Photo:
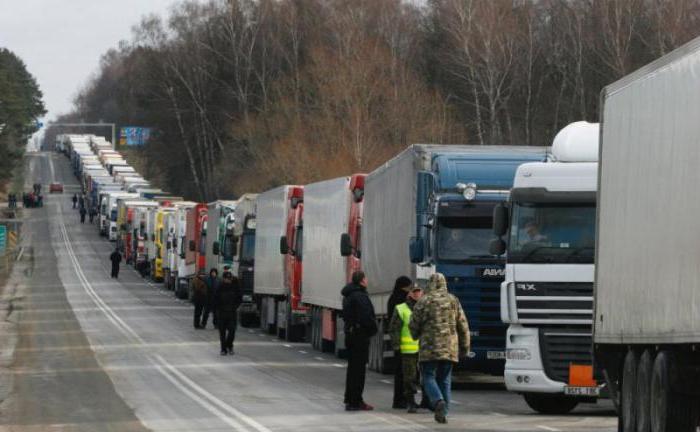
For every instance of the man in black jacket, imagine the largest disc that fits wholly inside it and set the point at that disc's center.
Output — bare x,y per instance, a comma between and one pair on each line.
116,258
228,298
360,326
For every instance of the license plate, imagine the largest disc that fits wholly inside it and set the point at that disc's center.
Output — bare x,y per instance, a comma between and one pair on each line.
581,391
496,355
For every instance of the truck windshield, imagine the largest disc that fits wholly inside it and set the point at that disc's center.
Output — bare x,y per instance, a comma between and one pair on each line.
464,238
552,233
248,247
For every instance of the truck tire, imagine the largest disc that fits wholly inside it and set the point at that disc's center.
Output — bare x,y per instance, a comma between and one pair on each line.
644,372
550,404
670,411
628,405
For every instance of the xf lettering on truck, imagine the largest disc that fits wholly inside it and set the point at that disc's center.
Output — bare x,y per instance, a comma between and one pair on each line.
526,287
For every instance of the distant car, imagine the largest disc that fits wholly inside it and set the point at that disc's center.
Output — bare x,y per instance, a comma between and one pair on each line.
56,187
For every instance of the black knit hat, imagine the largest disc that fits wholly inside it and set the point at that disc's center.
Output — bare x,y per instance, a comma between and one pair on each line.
402,282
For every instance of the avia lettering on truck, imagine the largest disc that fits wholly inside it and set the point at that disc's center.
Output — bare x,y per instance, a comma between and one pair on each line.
332,211
275,209
439,200
292,314
548,293
240,241
646,330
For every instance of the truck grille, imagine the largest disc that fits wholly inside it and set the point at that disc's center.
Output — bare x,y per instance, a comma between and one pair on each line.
562,346
554,303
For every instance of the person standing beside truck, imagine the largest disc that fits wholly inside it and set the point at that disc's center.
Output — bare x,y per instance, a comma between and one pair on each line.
407,346
116,258
199,297
210,305
82,215
75,200
398,296
228,298
360,326
438,321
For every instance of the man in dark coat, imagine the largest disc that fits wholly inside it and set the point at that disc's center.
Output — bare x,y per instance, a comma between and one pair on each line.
401,287
199,297
75,200
92,213
210,306
228,298
360,326
82,214
81,202
116,258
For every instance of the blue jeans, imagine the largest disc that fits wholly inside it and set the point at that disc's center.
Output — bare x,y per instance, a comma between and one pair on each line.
437,381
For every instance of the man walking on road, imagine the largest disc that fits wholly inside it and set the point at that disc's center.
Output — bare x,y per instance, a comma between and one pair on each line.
210,305
82,215
75,200
116,259
228,298
404,343
360,326
398,296
92,213
438,321
199,297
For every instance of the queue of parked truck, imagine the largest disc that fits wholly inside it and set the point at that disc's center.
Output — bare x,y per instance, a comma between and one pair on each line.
576,264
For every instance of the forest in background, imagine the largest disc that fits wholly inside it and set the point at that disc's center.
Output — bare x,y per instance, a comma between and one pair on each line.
20,106
245,95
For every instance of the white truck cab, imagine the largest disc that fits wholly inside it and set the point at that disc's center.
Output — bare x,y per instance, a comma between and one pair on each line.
548,231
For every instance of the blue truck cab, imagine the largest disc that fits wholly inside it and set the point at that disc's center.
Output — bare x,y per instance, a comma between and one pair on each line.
454,212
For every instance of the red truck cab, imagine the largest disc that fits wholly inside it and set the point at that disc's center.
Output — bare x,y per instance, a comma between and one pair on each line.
291,248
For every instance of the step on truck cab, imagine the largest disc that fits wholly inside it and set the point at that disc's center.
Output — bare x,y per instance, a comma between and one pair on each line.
548,226
429,209
281,309
646,331
332,215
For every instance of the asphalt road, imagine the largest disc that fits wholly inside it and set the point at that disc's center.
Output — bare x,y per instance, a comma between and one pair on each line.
80,351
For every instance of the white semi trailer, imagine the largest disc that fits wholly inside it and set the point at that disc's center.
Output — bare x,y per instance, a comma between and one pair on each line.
647,282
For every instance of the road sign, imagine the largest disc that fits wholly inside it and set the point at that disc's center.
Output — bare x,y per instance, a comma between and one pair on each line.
3,238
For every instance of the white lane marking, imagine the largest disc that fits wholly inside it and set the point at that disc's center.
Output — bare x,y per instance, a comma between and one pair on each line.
338,365
319,358
547,428
302,351
53,173
386,381
194,388
287,345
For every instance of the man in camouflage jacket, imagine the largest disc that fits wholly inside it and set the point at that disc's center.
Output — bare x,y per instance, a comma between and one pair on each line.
438,321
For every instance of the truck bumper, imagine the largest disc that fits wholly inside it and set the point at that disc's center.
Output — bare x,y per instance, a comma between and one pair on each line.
524,372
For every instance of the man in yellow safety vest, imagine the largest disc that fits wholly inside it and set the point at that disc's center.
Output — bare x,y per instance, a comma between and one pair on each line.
403,342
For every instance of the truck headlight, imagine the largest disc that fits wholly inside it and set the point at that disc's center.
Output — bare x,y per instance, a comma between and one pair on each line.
469,192
518,354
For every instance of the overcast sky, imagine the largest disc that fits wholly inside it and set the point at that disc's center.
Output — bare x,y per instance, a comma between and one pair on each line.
61,41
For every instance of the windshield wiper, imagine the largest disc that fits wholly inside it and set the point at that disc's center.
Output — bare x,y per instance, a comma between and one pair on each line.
577,251
535,250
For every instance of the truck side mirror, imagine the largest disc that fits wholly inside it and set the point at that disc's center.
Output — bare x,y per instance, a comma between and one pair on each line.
416,250
345,245
500,220
497,246
215,248
193,246
284,246
168,245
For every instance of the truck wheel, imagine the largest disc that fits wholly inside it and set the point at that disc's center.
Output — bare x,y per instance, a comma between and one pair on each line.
628,406
670,411
644,372
550,404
